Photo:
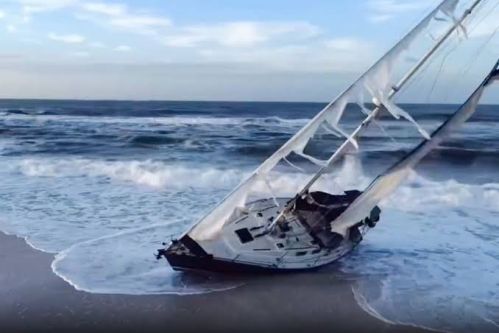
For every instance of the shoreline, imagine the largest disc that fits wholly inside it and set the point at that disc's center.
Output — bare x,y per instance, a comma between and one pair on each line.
34,299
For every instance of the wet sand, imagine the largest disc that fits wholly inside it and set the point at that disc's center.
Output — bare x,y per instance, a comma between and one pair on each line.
33,299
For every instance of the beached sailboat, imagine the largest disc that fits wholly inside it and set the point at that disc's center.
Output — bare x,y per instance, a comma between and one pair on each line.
253,229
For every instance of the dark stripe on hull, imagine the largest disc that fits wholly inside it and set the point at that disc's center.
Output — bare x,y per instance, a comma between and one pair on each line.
210,264
188,255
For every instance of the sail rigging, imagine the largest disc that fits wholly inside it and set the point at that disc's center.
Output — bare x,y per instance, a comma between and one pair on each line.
385,184
377,82
386,102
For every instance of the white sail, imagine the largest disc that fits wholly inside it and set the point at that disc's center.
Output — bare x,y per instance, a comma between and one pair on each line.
378,81
387,183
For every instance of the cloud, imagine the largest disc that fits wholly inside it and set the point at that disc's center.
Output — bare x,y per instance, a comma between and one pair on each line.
105,9
345,44
379,18
279,45
240,34
114,14
10,56
69,38
385,10
11,28
96,45
2,14
32,7
123,48
80,54
319,56
37,6
120,16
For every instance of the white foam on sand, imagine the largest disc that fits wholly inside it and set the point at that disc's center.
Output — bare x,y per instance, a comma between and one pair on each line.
106,219
433,259
119,265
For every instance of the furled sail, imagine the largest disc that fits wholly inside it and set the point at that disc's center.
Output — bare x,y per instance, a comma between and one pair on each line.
386,183
378,82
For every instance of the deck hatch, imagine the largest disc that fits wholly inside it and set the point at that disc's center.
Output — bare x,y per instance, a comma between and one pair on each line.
244,235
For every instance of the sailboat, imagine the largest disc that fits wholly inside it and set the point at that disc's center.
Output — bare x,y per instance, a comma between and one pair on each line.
255,230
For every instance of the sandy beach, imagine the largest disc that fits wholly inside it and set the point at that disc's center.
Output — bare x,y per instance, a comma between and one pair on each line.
33,299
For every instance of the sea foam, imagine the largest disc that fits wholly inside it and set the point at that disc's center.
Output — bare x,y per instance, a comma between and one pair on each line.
150,173
108,217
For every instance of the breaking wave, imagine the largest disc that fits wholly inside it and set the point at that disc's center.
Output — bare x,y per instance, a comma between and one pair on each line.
433,239
173,121
149,173
420,195
117,267
418,192
103,184
435,215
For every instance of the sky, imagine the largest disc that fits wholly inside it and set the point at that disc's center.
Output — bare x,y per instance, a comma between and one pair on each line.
250,50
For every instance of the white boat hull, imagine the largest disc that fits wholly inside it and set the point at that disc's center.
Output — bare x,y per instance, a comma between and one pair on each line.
245,245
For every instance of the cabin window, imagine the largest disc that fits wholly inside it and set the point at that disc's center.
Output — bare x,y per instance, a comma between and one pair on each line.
301,253
244,235
316,251
280,245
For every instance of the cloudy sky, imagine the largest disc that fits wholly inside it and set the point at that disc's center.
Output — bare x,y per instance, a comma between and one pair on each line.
284,50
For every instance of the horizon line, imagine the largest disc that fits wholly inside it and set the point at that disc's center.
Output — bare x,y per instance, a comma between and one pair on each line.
4,99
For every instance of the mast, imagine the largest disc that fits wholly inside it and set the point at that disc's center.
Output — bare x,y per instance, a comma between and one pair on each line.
210,225
341,150
388,181
321,116
372,116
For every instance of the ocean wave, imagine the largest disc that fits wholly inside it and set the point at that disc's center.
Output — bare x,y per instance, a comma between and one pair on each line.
149,128
415,205
433,238
129,272
163,175
149,173
417,193
171,120
155,140
416,267
422,194
105,217
134,271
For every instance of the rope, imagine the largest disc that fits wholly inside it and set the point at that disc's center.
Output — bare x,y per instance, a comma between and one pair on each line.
480,50
293,165
439,72
418,79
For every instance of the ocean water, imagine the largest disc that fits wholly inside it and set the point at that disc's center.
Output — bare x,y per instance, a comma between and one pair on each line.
103,184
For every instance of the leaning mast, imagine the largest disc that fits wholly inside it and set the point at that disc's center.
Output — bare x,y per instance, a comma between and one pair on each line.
372,116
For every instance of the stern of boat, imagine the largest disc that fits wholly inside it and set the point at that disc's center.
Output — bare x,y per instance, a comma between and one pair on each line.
184,253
